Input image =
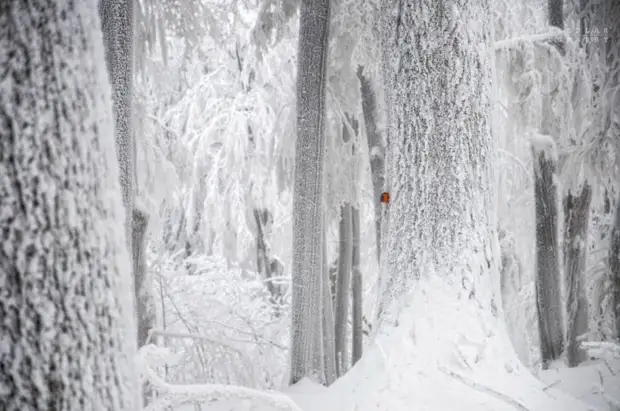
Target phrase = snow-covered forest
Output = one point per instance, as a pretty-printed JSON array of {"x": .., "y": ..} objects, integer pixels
[{"x": 309, "y": 205}]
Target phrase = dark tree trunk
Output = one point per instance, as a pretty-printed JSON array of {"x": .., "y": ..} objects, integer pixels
[
  {"x": 576, "y": 221},
  {"x": 264, "y": 263},
  {"x": 376, "y": 150},
  {"x": 547, "y": 257},
  {"x": 614, "y": 267},
  {"x": 357, "y": 290},
  {"x": 307, "y": 269}
]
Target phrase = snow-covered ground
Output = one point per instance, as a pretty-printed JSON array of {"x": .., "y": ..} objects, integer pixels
[{"x": 593, "y": 386}]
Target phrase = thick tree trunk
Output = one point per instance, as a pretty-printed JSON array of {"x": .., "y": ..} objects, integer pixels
[
  {"x": 343, "y": 289},
  {"x": 576, "y": 222},
  {"x": 66, "y": 303},
  {"x": 548, "y": 296},
  {"x": 356, "y": 290},
  {"x": 117, "y": 27},
  {"x": 614, "y": 267},
  {"x": 308, "y": 188},
  {"x": 442, "y": 234},
  {"x": 376, "y": 150}
]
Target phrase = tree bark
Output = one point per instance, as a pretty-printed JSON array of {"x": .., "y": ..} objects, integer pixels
[
  {"x": 117, "y": 27},
  {"x": 376, "y": 150},
  {"x": 439, "y": 167},
  {"x": 614, "y": 267},
  {"x": 329, "y": 348},
  {"x": 66, "y": 303},
  {"x": 550, "y": 322},
  {"x": 357, "y": 290},
  {"x": 308, "y": 188},
  {"x": 343, "y": 288},
  {"x": 576, "y": 222},
  {"x": 263, "y": 261}
]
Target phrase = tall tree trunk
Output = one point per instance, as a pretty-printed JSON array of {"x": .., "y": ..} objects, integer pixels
[
  {"x": 118, "y": 35},
  {"x": 576, "y": 222},
  {"x": 143, "y": 284},
  {"x": 308, "y": 188},
  {"x": 356, "y": 290},
  {"x": 548, "y": 296},
  {"x": 117, "y": 27},
  {"x": 343, "y": 288},
  {"x": 376, "y": 150},
  {"x": 263, "y": 261},
  {"x": 329, "y": 348},
  {"x": 145, "y": 303},
  {"x": 66, "y": 304},
  {"x": 442, "y": 232},
  {"x": 614, "y": 267}
]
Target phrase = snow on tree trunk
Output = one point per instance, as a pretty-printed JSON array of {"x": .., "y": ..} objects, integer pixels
[
  {"x": 145, "y": 304},
  {"x": 143, "y": 285},
  {"x": 576, "y": 216},
  {"x": 356, "y": 289},
  {"x": 548, "y": 280},
  {"x": 343, "y": 288},
  {"x": 263, "y": 261},
  {"x": 117, "y": 27},
  {"x": 329, "y": 348},
  {"x": 442, "y": 230},
  {"x": 375, "y": 148},
  {"x": 614, "y": 267},
  {"x": 307, "y": 266},
  {"x": 66, "y": 303},
  {"x": 441, "y": 335}
]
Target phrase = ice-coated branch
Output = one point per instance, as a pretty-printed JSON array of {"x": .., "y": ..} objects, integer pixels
[
  {"x": 517, "y": 42},
  {"x": 175, "y": 395}
]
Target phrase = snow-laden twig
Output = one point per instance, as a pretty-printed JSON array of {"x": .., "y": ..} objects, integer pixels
[
  {"x": 484, "y": 389},
  {"x": 175, "y": 395},
  {"x": 516, "y": 42}
]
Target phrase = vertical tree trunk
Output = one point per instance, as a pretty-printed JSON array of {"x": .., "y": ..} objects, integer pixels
[
  {"x": 308, "y": 188},
  {"x": 356, "y": 287},
  {"x": 117, "y": 27},
  {"x": 66, "y": 303},
  {"x": 576, "y": 217},
  {"x": 614, "y": 267},
  {"x": 376, "y": 150},
  {"x": 548, "y": 295},
  {"x": 143, "y": 284},
  {"x": 329, "y": 348},
  {"x": 145, "y": 304},
  {"x": 343, "y": 287},
  {"x": 442, "y": 229},
  {"x": 555, "y": 9},
  {"x": 118, "y": 35},
  {"x": 263, "y": 261}
]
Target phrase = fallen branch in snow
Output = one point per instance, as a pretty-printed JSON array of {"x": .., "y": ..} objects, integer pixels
[
  {"x": 484, "y": 389},
  {"x": 516, "y": 42},
  {"x": 553, "y": 384},
  {"x": 171, "y": 395}
]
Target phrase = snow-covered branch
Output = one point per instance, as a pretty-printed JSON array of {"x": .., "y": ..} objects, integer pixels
[
  {"x": 175, "y": 395},
  {"x": 517, "y": 42}
]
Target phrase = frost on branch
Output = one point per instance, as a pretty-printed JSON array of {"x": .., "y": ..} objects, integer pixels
[{"x": 170, "y": 395}]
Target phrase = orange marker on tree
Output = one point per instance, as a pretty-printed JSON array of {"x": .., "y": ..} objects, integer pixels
[{"x": 385, "y": 198}]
